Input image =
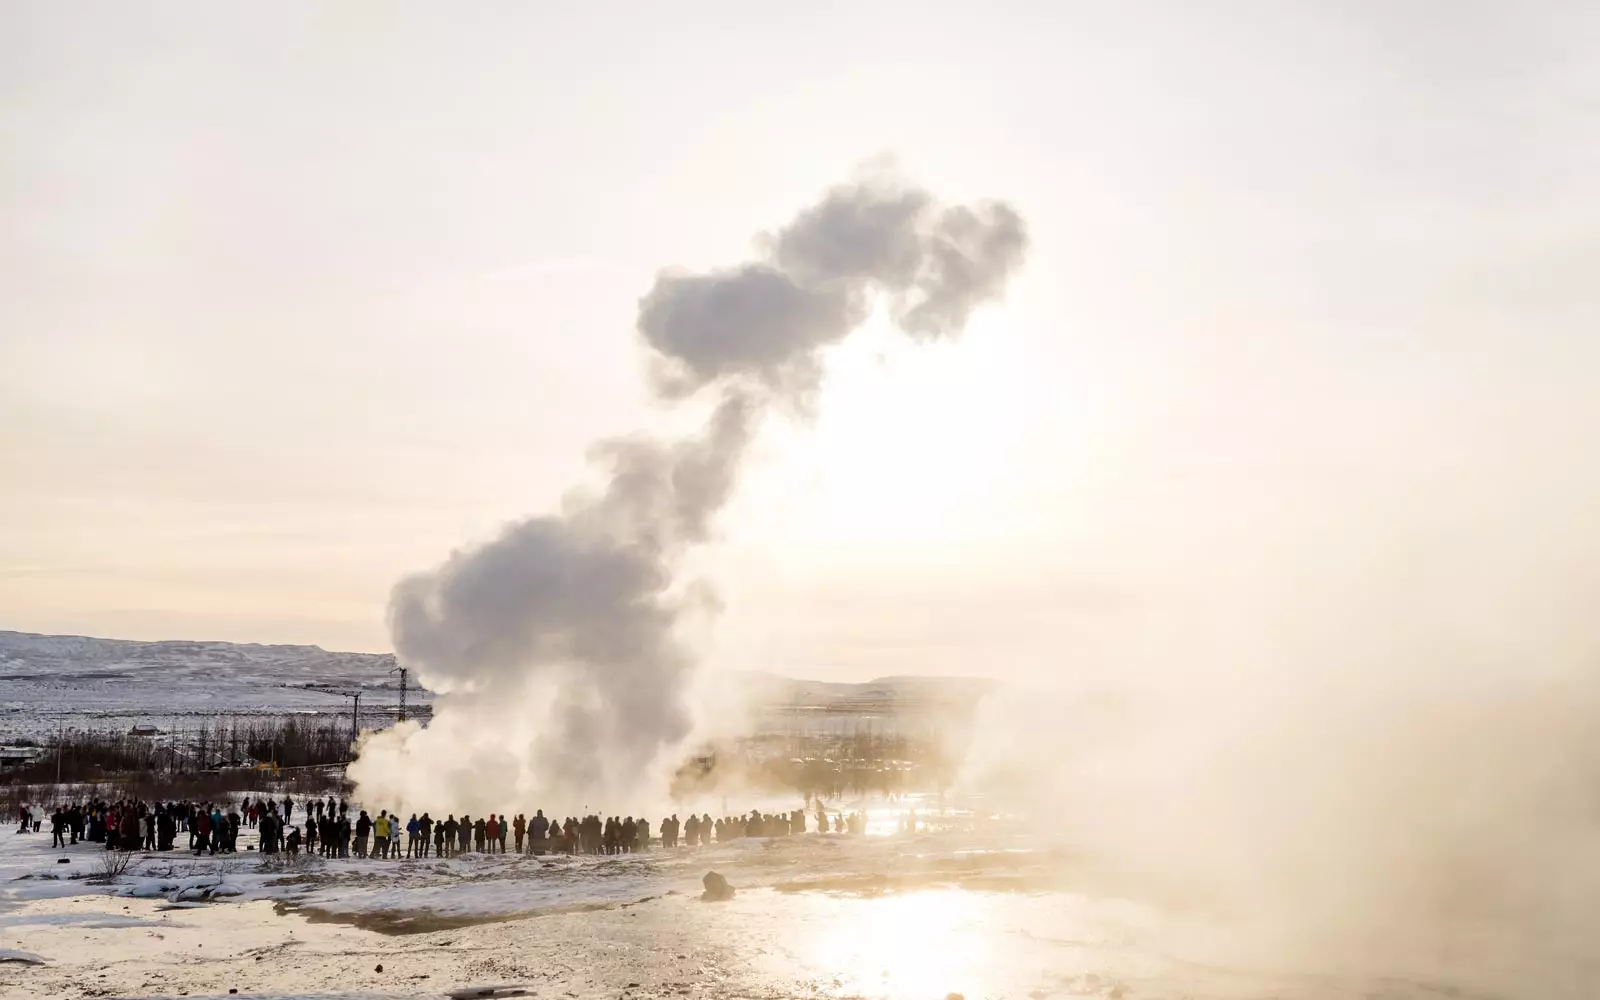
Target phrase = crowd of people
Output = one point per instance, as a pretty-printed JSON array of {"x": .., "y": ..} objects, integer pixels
[
  {"x": 131, "y": 825},
  {"x": 328, "y": 829}
]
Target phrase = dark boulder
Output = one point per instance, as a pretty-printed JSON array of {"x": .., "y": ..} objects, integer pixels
[{"x": 717, "y": 888}]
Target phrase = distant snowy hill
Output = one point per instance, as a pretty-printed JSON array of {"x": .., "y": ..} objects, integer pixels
[
  {"x": 51, "y": 680},
  {"x": 29, "y": 654},
  {"x": 773, "y": 689},
  {"x": 48, "y": 680}
]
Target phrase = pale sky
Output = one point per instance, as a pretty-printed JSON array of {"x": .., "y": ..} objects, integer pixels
[{"x": 296, "y": 298}]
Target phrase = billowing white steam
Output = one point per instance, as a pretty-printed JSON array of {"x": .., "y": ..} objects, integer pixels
[{"x": 555, "y": 645}]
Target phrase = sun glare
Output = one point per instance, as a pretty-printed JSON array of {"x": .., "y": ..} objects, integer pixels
[
  {"x": 921, "y": 945},
  {"x": 877, "y": 471}
]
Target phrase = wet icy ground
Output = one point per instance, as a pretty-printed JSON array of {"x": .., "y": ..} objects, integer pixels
[{"x": 978, "y": 914}]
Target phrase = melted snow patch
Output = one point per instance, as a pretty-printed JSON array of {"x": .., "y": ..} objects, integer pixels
[{"x": 24, "y": 957}]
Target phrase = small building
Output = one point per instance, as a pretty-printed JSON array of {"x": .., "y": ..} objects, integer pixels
[
  {"x": 19, "y": 756},
  {"x": 195, "y": 757},
  {"x": 145, "y": 730}
]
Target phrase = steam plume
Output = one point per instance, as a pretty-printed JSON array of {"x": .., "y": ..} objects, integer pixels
[{"x": 555, "y": 645}]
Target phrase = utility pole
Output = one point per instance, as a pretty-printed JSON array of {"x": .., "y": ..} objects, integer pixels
[
  {"x": 402, "y": 672},
  {"x": 355, "y": 716},
  {"x": 355, "y": 706}
]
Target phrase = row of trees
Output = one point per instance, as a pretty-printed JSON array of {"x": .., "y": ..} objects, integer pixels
[
  {"x": 86, "y": 755},
  {"x": 828, "y": 763}
]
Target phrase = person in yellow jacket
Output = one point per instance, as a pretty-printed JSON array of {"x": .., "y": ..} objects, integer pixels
[{"x": 382, "y": 830}]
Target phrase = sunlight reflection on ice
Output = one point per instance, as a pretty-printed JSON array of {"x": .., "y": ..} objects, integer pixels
[{"x": 915, "y": 945}]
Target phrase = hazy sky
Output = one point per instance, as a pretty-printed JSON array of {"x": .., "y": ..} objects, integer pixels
[{"x": 296, "y": 298}]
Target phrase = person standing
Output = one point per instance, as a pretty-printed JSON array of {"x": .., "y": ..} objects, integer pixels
[
  {"x": 267, "y": 823},
  {"x": 200, "y": 832}
]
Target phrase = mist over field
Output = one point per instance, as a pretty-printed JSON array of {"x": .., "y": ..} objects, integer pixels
[{"x": 1356, "y": 713}]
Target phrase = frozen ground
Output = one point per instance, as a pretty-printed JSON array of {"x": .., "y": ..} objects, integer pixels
[
  {"x": 50, "y": 680},
  {"x": 981, "y": 914}
]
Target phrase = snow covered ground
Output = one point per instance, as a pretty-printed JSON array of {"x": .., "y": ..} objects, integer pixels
[
  {"x": 977, "y": 912},
  {"x": 982, "y": 908},
  {"x": 47, "y": 681}
]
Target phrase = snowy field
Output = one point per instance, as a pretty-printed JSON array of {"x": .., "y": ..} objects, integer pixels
[
  {"x": 49, "y": 681},
  {"x": 978, "y": 907},
  {"x": 974, "y": 912}
]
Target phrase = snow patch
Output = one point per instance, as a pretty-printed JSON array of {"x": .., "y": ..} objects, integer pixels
[{"x": 24, "y": 957}]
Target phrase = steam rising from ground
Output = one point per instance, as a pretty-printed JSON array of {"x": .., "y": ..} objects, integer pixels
[
  {"x": 1357, "y": 716},
  {"x": 556, "y": 645}
]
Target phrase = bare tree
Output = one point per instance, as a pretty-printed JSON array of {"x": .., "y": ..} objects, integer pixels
[{"x": 113, "y": 865}]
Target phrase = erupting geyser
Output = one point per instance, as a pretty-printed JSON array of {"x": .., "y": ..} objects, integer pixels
[{"x": 554, "y": 646}]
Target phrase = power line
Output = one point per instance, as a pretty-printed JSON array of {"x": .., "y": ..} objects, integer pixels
[
  {"x": 355, "y": 707},
  {"x": 402, "y": 672}
]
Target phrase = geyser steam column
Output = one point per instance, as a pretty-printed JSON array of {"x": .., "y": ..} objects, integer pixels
[{"x": 554, "y": 646}]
